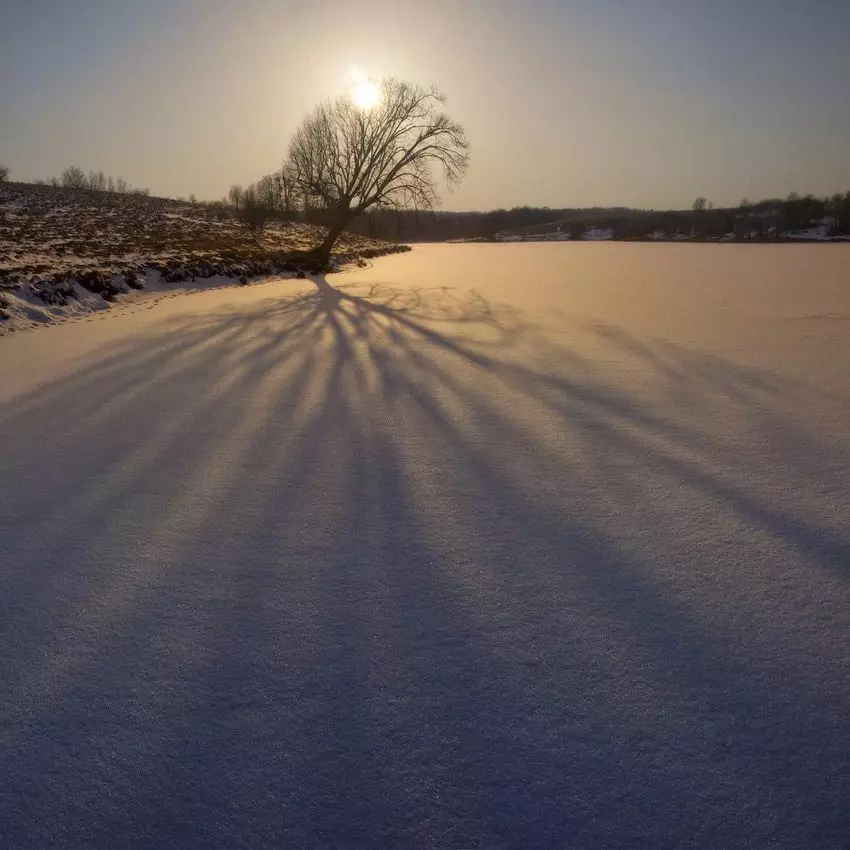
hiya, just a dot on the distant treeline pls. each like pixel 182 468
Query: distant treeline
pixel 274 196
pixel 770 218
pixel 95 181
pixel 766 219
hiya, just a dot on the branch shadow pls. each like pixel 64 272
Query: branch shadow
pixel 352 569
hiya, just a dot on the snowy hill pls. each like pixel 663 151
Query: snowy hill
pixel 68 251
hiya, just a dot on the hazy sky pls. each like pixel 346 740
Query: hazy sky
pixel 566 102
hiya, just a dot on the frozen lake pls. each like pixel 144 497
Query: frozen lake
pixel 506 546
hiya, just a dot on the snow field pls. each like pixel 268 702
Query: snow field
pixel 495 546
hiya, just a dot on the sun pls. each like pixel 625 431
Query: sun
pixel 365 92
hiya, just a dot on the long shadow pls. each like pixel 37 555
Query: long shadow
pixel 352 569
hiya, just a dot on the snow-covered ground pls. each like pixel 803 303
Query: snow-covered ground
pixel 506 546
pixel 26 311
pixel 67 253
pixel 50 234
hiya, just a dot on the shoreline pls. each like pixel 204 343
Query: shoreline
pixel 36 303
pixel 688 240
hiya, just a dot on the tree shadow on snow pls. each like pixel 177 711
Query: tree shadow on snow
pixel 388 567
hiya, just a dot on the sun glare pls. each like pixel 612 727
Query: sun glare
pixel 366 94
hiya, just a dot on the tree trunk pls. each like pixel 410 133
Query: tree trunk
pixel 323 252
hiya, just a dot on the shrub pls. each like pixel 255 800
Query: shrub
pixel 74 178
pixel 254 216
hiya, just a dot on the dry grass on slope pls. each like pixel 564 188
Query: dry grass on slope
pixel 59 246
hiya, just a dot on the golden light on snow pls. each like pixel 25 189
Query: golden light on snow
pixel 365 92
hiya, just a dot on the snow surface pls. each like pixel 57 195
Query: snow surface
pixel 507 546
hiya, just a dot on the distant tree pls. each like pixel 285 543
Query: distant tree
pixel 4 173
pixel 375 223
pixel 276 192
pixel 843 215
pixel 698 224
pixel 97 181
pixel 74 178
pixel 268 193
pixel 350 158
pixel 285 179
pixel 253 212
pixel 815 208
pixel 234 196
pixel 797 211
pixel 492 222
pixel 122 187
pixel 621 228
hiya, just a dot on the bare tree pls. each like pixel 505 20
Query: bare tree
pixel 74 178
pixel 253 212
pixel 235 196
pixel 4 173
pixel 276 192
pixel 351 158
pixel 285 178
pixel 269 194
pixel 97 181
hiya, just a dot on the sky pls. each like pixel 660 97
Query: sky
pixel 567 103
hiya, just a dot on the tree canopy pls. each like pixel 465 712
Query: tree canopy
pixel 348 158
